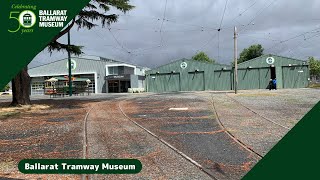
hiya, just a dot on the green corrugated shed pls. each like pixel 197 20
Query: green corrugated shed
pixel 190 75
pixel 289 72
pixel 195 76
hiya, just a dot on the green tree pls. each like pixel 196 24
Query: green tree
pixel 251 52
pixel 203 57
pixel 314 67
pixel 95 11
pixel 6 88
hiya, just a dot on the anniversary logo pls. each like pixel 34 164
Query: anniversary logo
pixel 25 16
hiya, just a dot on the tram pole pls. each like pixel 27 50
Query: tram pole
pixel 235 78
pixel 69 65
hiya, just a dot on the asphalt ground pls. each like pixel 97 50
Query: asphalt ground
pixel 195 132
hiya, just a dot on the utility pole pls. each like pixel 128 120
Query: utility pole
pixel 235 78
pixel 69 65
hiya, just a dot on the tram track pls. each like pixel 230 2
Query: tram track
pixel 183 155
pixel 234 138
pixel 86 146
pixel 85 140
pixel 265 118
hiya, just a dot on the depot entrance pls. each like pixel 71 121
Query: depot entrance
pixel 118 83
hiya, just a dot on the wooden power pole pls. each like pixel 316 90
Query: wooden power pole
pixel 69 66
pixel 235 78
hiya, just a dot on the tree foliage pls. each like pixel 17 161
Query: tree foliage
pixel 87 18
pixel 251 52
pixel 314 65
pixel 6 88
pixel 203 57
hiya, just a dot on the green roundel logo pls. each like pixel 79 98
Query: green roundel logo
pixel 27 19
pixel 73 64
pixel 270 60
pixel 183 65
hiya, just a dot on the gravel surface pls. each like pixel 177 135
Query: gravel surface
pixel 195 132
pixel 55 132
pixel 284 107
pixel 112 135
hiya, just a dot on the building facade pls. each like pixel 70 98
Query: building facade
pixel 189 75
pixel 106 75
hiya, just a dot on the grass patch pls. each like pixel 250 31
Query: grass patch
pixel 7 112
pixel 315 85
pixel 7 167
pixel 4 115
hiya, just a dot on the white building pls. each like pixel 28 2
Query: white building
pixel 106 75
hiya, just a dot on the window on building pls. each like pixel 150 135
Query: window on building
pixel 113 70
pixel 37 88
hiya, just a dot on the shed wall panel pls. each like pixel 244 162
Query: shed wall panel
pixel 264 77
pixel 196 81
pixel 223 80
pixel 295 76
pixel 248 79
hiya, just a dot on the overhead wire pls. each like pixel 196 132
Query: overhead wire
pixel 201 28
pixel 219 29
pixel 258 14
pixel 291 38
pixel 163 19
pixel 114 37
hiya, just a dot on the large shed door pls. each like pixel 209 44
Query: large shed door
pixel 196 81
pixel 164 82
pixel 155 83
pixel 172 82
pixel 295 76
pixel 264 77
pixel 248 78
pixel 223 80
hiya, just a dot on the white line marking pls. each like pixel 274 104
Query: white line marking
pixel 178 109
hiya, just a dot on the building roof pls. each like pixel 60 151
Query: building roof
pixel 93 58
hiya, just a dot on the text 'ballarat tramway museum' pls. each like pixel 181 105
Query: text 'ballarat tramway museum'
pixel 110 76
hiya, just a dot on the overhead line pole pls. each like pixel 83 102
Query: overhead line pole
pixel 69 65
pixel 235 62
